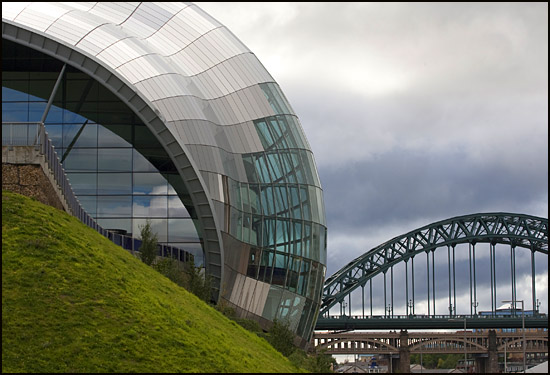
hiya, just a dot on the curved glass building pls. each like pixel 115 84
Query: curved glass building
pixel 161 113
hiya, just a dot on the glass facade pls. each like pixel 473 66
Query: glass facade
pixel 119 171
pixel 219 164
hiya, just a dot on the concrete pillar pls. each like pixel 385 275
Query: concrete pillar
pixel 480 365
pixel 493 353
pixel 404 353
pixel 395 362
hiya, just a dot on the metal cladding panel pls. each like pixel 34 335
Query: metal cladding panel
pixel 219 104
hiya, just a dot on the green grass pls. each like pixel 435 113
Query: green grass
pixel 72 301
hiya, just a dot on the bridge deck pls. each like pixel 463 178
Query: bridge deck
pixel 428 322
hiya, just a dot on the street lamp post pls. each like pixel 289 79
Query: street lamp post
pixel 465 349
pixel 522 326
pixel 421 355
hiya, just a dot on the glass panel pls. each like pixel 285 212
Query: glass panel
pixel 150 183
pixel 80 160
pixel 116 224
pixel 83 183
pixel 292 278
pixel 150 206
pixel 80 135
pixel 323 245
pixel 266 266
pixel 144 139
pixel 115 159
pixel 55 133
pixel 158 226
pixel 36 110
pixel 40 88
pixel 88 203
pixel 182 230
pixel 262 168
pixel 313 202
pixel 55 115
pixel 114 136
pixel 117 206
pixel 304 276
pixel 279 272
pixel 70 117
pixel 114 183
pixel 253 263
pixel 306 207
pixel 268 238
pixel 193 248
pixel 282 240
pixel 312 284
pixel 141 164
pixel 15 112
pixel 176 184
pixel 272 302
pixel 275 166
pixel 176 207
pixel 297 248
pixel 14 91
pixel 302 326
pixel 306 243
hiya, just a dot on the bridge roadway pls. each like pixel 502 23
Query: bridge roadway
pixel 398 322
pixel 485 346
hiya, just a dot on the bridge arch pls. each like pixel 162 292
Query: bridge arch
pixel 517 342
pixel 517 230
pixel 380 344
pixel 425 343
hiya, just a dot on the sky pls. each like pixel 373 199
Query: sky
pixel 415 112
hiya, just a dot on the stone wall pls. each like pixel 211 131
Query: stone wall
pixel 30 180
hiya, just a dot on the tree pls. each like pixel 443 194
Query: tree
pixel 187 276
pixel 149 240
pixel 197 282
pixel 281 337
pixel 317 362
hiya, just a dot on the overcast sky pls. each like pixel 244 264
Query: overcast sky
pixel 416 112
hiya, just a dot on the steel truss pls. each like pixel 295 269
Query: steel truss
pixel 517 230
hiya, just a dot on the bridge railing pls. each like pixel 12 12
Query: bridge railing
pixel 420 316
pixel 34 134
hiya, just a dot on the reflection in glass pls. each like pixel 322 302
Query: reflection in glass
pixel 80 135
pixel 150 206
pixel 115 159
pixel 182 230
pixel 80 160
pixel 118 224
pixel 83 183
pixel 114 183
pixel 88 203
pixel 176 207
pixel 115 136
pixel 158 226
pixel 141 164
pixel 114 206
pixel 150 183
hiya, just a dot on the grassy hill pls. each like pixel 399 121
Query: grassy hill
pixel 72 301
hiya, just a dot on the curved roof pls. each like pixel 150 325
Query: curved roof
pixel 184 62
pixel 189 79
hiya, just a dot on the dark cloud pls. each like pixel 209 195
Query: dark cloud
pixel 416 112
pixel 401 185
